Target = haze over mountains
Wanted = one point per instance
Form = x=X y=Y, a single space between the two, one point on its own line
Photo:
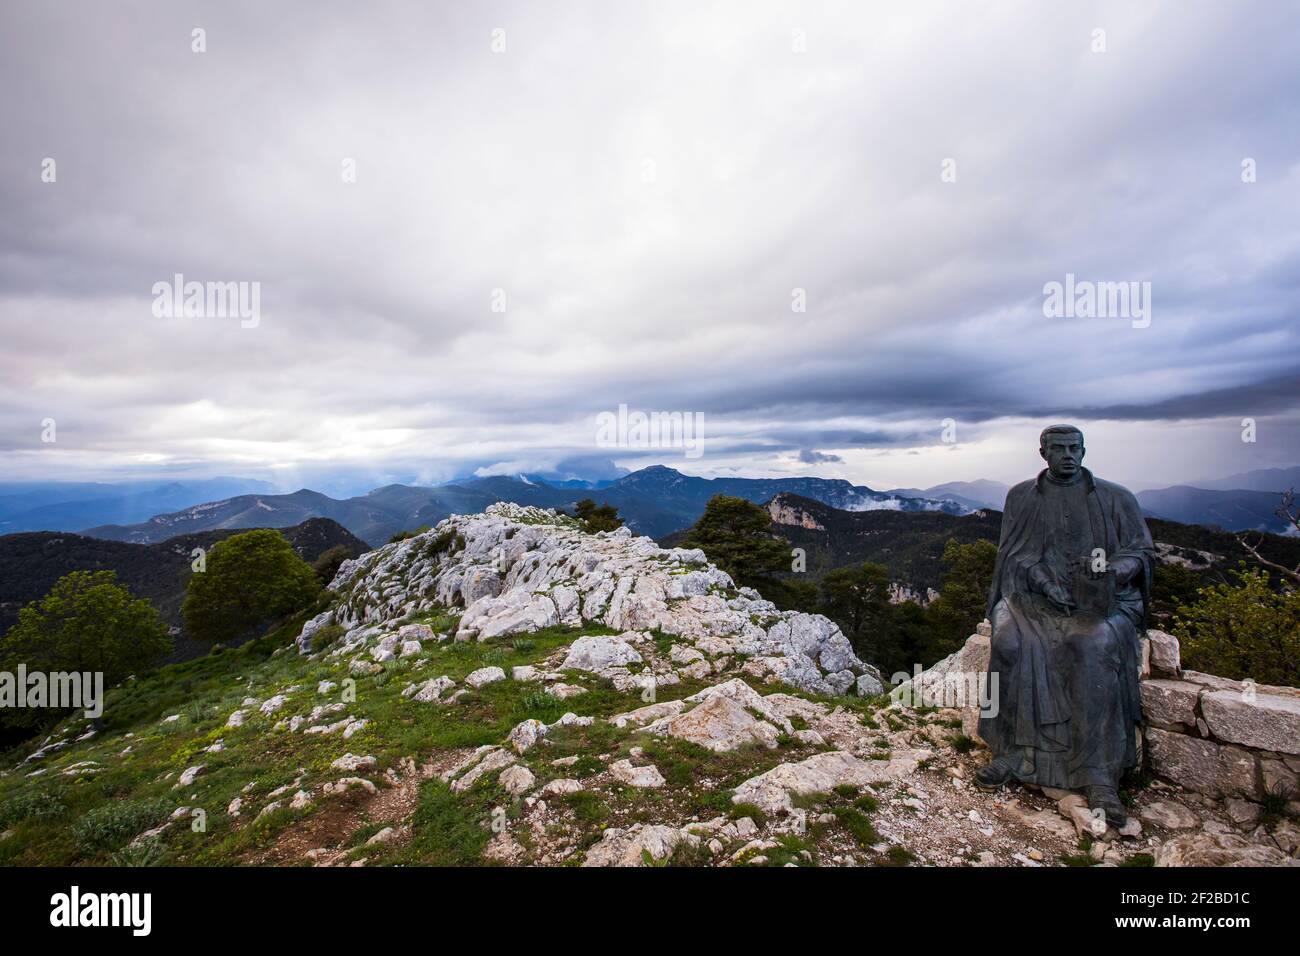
x=656 y=501
x=72 y=506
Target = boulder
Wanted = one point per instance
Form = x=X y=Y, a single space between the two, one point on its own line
x=822 y=773
x=517 y=780
x=648 y=714
x=484 y=676
x=1218 y=849
x=648 y=776
x=562 y=787
x=514 y=612
x=1165 y=658
x=497 y=758
x=415 y=632
x=431 y=690
x=525 y=734
x=720 y=724
x=597 y=654
x=630 y=847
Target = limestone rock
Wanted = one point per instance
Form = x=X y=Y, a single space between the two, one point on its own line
x=1217 y=849
x=648 y=714
x=1265 y=720
x=1170 y=815
x=525 y=734
x=598 y=654
x=1202 y=765
x=352 y=762
x=720 y=724
x=562 y=787
x=821 y=773
x=1169 y=701
x=484 y=676
x=620 y=847
x=648 y=776
x=415 y=632
x=514 y=612
x=1166 y=660
x=431 y=690
x=188 y=775
x=497 y=758
x=517 y=780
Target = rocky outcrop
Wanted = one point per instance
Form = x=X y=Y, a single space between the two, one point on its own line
x=517 y=570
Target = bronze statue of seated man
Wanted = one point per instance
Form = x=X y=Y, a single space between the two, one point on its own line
x=1070 y=592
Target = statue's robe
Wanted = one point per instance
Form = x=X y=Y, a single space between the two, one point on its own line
x=1067 y=685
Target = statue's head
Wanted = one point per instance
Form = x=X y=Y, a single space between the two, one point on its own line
x=1062 y=448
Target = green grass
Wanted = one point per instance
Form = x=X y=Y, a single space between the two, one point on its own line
x=857 y=824
x=58 y=820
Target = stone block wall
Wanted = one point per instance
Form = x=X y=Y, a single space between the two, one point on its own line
x=1215 y=736
x=1211 y=735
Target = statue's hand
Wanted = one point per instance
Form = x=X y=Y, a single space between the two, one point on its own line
x=1126 y=569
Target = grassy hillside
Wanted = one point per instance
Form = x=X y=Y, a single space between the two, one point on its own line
x=86 y=804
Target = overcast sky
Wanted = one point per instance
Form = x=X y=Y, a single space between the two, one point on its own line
x=643 y=186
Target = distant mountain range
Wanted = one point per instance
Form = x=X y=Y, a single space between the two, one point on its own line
x=31 y=562
x=1242 y=502
x=655 y=501
x=982 y=493
x=71 y=506
x=911 y=545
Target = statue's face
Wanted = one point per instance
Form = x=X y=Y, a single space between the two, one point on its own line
x=1063 y=454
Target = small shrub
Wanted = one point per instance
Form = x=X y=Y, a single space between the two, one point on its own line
x=963 y=744
x=33 y=805
x=899 y=855
x=145 y=853
x=867 y=803
x=112 y=825
x=858 y=825
x=753 y=811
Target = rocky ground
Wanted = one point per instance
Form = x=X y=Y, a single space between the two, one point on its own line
x=507 y=689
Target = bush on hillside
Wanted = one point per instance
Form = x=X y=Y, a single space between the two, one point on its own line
x=87 y=623
x=1243 y=629
x=251 y=579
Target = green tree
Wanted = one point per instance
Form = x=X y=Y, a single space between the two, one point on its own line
x=905 y=639
x=251 y=578
x=1243 y=629
x=1173 y=587
x=88 y=622
x=793 y=594
x=736 y=535
x=963 y=595
x=595 y=517
x=856 y=598
x=329 y=561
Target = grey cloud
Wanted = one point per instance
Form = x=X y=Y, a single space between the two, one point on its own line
x=811 y=457
x=379 y=353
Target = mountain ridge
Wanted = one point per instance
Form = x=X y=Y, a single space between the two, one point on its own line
x=655 y=501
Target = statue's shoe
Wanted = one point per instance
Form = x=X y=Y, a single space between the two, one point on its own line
x=1107 y=799
x=993 y=774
